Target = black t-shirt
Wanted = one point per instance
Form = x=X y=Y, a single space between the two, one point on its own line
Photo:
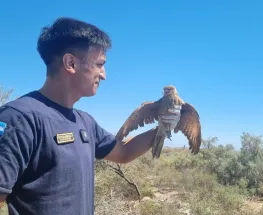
x=47 y=155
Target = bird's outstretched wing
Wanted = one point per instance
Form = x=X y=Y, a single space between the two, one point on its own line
x=145 y=114
x=190 y=126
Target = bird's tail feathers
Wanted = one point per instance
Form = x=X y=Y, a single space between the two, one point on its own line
x=157 y=146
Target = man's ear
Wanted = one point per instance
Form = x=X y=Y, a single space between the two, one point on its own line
x=68 y=62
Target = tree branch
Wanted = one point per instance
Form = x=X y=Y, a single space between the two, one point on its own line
x=119 y=172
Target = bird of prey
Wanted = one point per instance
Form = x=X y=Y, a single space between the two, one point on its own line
x=149 y=112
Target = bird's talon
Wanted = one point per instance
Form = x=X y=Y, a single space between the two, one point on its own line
x=169 y=135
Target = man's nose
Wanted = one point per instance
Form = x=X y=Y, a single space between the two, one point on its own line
x=103 y=74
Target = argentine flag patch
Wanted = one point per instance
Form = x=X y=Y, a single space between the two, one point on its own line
x=2 y=128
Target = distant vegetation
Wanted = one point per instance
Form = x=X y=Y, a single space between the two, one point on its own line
x=5 y=95
x=217 y=181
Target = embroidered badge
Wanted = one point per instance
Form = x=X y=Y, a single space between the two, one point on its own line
x=2 y=128
x=84 y=136
x=65 y=138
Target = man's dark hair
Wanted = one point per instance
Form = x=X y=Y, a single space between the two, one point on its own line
x=69 y=35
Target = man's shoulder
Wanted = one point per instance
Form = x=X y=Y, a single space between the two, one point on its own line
x=19 y=112
x=12 y=117
x=25 y=104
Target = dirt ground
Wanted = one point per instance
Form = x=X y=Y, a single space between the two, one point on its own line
x=255 y=207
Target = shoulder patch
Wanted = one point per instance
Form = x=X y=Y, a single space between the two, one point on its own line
x=2 y=128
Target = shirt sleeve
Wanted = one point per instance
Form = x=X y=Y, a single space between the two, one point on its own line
x=16 y=145
x=104 y=143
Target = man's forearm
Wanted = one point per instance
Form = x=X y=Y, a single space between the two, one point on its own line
x=133 y=147
x=136 y=146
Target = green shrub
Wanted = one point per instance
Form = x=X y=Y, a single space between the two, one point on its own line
x=214 y=182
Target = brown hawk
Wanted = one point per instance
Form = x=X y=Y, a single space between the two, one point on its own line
x=149 y=112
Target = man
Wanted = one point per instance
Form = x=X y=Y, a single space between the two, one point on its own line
x=47 y=147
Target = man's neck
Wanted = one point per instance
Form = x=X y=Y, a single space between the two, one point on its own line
x=59 y=92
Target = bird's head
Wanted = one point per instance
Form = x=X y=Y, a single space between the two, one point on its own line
x=167 y=90
x=171 y=90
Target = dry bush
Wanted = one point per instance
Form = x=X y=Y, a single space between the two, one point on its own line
x=207 y=197
x=109 y=184
x=113 y=195
x=177 y=171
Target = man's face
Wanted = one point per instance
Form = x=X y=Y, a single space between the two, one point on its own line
x=89 y=72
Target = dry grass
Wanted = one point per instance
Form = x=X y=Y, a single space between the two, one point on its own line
x=172 y=185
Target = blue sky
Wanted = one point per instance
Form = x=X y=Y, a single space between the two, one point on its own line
x=212 y=51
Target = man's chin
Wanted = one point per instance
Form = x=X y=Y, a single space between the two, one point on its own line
x=90 y=94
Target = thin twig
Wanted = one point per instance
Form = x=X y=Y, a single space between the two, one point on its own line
x=119 y=172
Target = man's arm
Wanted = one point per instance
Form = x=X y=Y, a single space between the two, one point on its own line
x=132 y=148
x=16 y=146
